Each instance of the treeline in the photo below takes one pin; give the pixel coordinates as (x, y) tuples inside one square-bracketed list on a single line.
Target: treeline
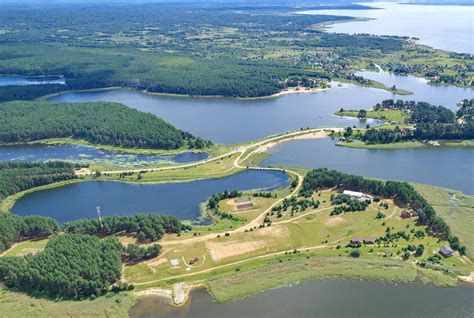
[(28, 92), (431, 123), (19, 176), (98, 122), (71, 267), (15, 228), (148, 227), (401, 192)]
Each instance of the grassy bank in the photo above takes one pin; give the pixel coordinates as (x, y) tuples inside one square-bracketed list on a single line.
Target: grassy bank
[(292, 268), (384, 114), (14, 304), (408, 144)]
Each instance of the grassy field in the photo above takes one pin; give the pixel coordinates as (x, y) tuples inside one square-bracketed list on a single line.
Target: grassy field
[(26, 247), (15, 304), (455, 208), (383, 114), (313, 232)]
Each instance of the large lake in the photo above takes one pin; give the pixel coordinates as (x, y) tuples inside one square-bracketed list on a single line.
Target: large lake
[(449, 167), (324, 298), (228, 121), (89, 154), (22, 80), (449, 28), (79, 200)]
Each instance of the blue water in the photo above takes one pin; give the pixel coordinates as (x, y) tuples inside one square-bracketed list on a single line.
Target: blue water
[(79, 200), (89, 154), (24, 80), (449, 167)]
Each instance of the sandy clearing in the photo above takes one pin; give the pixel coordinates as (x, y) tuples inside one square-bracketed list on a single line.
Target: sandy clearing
[(332, 221), (298, 90), (221, 251), (279, 231), (27, 251)]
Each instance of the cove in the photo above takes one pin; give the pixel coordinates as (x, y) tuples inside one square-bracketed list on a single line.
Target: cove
[(230, 120), (444, 95), (89, 154), (448, 167), (79, 200), (25, 80), (324, 298), (442, 27)]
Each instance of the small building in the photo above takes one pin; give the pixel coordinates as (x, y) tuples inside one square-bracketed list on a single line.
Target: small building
[(174, 262), (245, 205), (446, 251), (405, 214), (369, 240), (242, 200), (358, 195)]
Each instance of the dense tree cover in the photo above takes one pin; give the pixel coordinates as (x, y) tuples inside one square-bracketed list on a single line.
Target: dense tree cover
[(14, 228), (28, 92), (182, 48), (401, 192), (347, 204), (134, 253), (149, 227), (71, 266), (19, 176), (99, 122), (431, 123)]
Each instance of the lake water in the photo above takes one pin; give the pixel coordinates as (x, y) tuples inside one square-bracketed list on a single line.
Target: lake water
[(324, 298), (450, 28), (89, 154), (449, 167), (22, 80), (228, 121), (448, 96), (79, 200)]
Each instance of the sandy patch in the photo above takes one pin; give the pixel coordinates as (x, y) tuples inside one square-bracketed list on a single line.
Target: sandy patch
[(313, 135), (297, 90), (333, 221), (221, 251), (274, 230), (27, 251), (82, 172)]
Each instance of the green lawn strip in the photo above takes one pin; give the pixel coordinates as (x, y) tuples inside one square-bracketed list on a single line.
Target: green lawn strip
[(456, 208), (15, 304)]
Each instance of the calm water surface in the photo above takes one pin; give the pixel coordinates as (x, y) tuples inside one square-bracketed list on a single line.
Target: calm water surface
[(450, 28), (22, 80), (228, 121), (448, 96), (324, 298), (89, 154), (182, 199), (449, 167)]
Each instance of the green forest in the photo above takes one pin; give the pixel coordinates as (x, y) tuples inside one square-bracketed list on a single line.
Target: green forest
[(243, 51), (99, 123), (430, 123), (19, 176)]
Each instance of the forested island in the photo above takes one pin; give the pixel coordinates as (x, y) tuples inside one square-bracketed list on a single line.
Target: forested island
[(412, 120), (239, 51), (98, 123)]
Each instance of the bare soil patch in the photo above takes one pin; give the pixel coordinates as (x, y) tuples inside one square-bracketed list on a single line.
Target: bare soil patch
[(332, 221), (221, 251)]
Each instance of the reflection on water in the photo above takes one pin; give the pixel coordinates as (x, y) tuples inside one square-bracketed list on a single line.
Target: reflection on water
[(324, 298), (23, 80), (79, 200)]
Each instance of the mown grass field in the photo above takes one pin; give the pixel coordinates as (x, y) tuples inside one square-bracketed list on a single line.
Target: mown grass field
[(384, 114)]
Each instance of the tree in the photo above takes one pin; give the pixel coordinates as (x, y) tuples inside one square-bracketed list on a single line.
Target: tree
[(355, 253), (362, 113)]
